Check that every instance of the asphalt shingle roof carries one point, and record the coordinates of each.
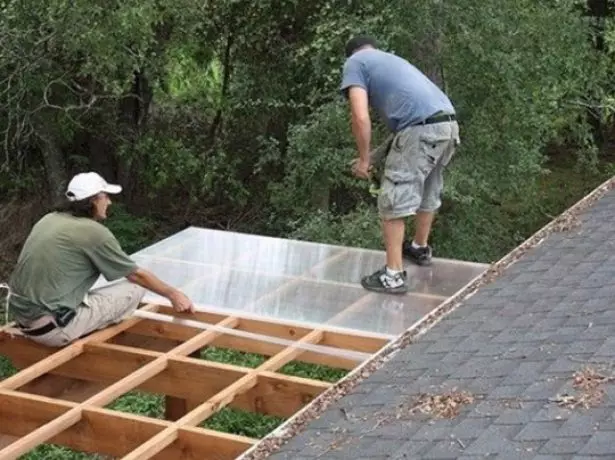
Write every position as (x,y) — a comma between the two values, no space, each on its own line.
(514,348)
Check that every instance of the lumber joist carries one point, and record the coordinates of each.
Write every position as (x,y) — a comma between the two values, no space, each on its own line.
(61,396)
(109,432)
(189,378)
(356,341)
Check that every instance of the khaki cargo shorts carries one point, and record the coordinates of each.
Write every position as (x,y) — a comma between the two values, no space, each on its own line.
(412,179)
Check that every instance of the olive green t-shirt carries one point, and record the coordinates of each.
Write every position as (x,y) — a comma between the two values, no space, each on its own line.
(60,261)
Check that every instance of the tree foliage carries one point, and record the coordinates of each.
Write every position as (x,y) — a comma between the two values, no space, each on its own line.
(228,113)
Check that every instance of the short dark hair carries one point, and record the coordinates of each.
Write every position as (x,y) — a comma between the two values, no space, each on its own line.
(359,41)
(81,208)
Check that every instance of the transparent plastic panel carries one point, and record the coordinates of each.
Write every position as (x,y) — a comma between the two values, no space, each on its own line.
(443,278)
(285,257)
(297,282)
(386,314)
(308,302)
(203,246)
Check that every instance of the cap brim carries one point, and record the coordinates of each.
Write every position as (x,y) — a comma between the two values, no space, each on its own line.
(113,189)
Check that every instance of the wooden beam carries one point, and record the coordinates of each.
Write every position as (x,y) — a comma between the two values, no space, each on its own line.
(22,352)
(201,444)
(63,355)
(220,400)
(364,344)
(271,349)
(191,379)
(103,433)
(39,368)
(176,332)
(6,440)
(122,386)
(64,388)
(197,380)
(291,353)
(152,343)
(175,408)
(184,377)
(156,444)
(358,340)
(25,352)
(109,432)
(279,395)
(73,416)
(21,413)
(354,341)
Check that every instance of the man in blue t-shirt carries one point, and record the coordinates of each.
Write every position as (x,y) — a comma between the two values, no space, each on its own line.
(424,136)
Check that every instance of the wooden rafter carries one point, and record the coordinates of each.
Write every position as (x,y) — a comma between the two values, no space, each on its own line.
(20,414)
(206,386)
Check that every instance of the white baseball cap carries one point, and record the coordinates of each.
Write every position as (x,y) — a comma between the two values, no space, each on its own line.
(85,185)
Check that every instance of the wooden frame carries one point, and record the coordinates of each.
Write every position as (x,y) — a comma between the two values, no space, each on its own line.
(38,405)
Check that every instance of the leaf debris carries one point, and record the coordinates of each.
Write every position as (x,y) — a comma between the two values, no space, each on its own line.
(445,405)
(588,382)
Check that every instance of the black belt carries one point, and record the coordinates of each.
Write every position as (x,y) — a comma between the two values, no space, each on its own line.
(438,119)
(62,316)
(50,326)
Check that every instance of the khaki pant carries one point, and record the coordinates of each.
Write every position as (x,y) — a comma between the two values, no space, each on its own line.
(103,307)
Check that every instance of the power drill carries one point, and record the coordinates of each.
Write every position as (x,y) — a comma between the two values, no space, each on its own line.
(374,182)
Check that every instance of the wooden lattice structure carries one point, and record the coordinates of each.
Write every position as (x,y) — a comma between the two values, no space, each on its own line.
(155,357)
(60,396)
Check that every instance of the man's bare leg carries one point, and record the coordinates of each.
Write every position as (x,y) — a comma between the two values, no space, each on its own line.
(391,278)
(418,249)
(423,227)
(393,231)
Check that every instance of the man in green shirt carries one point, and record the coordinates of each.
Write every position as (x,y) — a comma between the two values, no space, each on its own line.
(62,258)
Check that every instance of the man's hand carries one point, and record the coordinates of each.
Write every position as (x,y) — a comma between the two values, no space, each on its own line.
(181,303)
(148,280)
(360,168)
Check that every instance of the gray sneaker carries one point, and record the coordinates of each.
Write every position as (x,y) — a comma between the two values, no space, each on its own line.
(380,281)
(420,256)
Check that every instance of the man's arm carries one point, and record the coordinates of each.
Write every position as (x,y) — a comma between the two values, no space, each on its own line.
(114,263)
(361,122)
(148,280)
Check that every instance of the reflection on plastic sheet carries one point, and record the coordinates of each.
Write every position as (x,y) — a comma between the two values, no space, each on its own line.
(295,281)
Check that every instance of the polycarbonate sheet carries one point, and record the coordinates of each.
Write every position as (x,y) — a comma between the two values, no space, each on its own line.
(308,302)
(295,281)
(443,278)
(386,314)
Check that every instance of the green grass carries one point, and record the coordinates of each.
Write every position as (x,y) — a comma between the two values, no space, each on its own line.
(6,368)
(140,403)
(313,371)
(236,421)
(230,356)
(55,452)
(253,360)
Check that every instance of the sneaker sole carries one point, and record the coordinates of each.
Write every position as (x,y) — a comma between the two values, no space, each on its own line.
(422,263)
(394,291)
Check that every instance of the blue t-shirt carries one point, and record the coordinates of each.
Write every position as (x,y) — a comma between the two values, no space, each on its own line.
(397,90)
